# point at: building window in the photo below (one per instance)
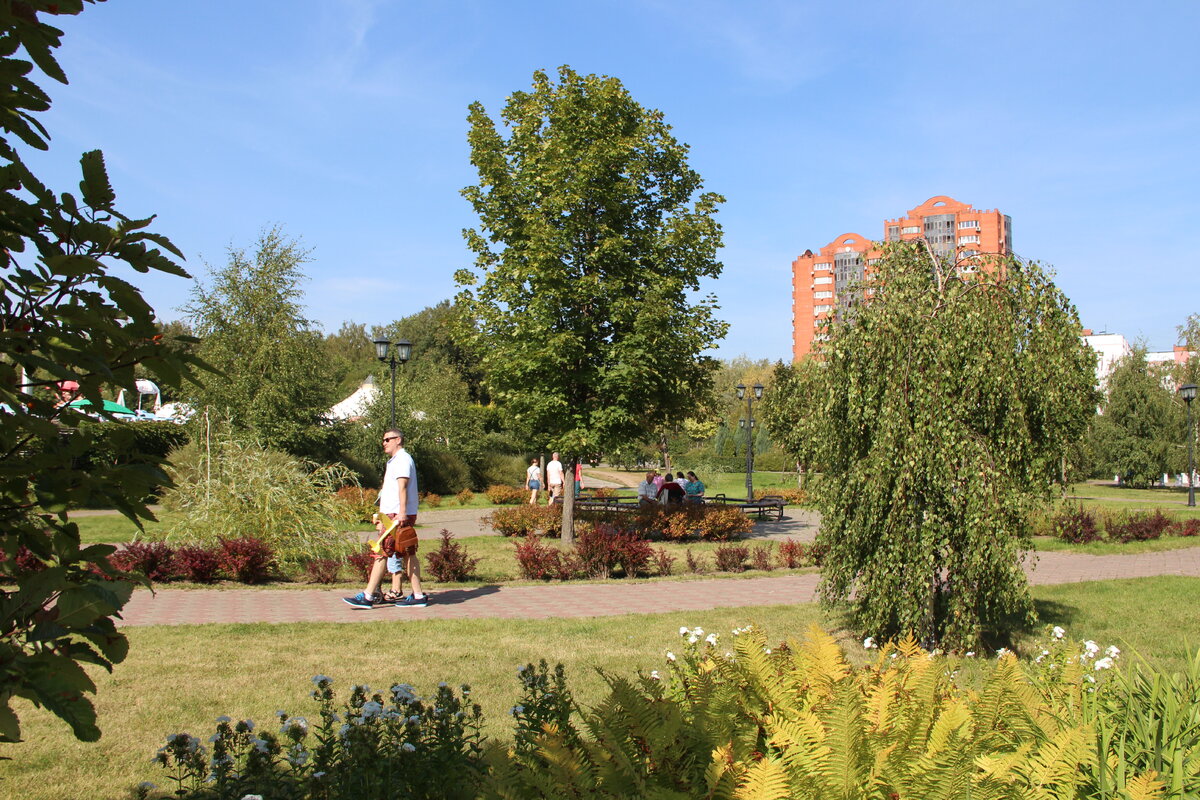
(911, 229)
(969, 253)
(873, 261)
(822, 295)
(822, 309)
(819, 267)
(893, 233)
(822, 279)
(969, 223)
(968, 240)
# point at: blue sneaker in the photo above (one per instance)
(359, 600)
(412, 601)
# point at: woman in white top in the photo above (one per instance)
(533, 481)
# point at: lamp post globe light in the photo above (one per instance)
(401, 354)
(748, 425)
(1188, 393)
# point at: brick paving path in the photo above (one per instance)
(179, 606)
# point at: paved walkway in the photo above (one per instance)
(179, 607)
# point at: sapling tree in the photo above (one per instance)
(594, 236)
(938, 413)
(64, 316)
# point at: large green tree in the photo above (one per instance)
(65, 315)
(276, 382)
(594, 236)
(1139, 434)
(938, 413)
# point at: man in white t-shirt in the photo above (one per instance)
(554, 478)
(398, 500)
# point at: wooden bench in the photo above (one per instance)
(762, 508)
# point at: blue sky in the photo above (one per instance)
(344, 122)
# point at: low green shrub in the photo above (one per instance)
(230, 487)
(525, 519)
(502, 494)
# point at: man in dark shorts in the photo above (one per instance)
(397, 501)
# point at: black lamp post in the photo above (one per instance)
(748, 424)
(401, 354)
(1188, 393)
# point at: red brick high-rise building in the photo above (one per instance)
(949, 226)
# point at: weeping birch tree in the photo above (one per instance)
(593, 238)
(938, 412)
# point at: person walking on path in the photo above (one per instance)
(397, 502)
(554, 479)
(533, 481)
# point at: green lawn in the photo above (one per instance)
(1102, 490)
(181, 678)
(1050, 544)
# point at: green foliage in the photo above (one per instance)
(592, 237)
(390, 744)
(1140, 433)
(795, 720)
(938, 414)
(435, 335)
(275, 382)
(64, 315)
(227, 485)
(130, 442)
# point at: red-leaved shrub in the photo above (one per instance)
(197, 564)
(792, 554)
(363, 502)
(602, 547)
(538, 561)
(695, 564)
(361, 563)
(1184, 527)
(731, 557)
(1076, 525)
(152, 559)
(762, 556)
(1137, 527)
(451, 562)
(247, 559)
(322, 570)
(663, 561)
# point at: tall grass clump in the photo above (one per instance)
(230, 487)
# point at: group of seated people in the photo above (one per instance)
(666, 489)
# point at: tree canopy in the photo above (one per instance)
(276, 381)
(594, 234)
(937, 412)
(1139, 434)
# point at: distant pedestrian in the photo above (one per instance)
(533, 481)
(554, 479)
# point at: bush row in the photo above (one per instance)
(602, 551)
(250, 560)
(1080, 525)
(704, 523)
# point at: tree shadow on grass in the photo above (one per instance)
(1017, 634)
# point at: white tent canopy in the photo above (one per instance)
(355, 406)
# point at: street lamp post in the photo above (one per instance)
(748, 424)
(1188, 393)
(401, 354)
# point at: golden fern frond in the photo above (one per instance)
(1056, 763)
(722, 773)
(845, 768)
(821, 659)
(909, 648)
(765, 780)
(1146, 786)
(881, 700)
(1001, 766)
(799, 742)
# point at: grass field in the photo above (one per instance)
(181, 678)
